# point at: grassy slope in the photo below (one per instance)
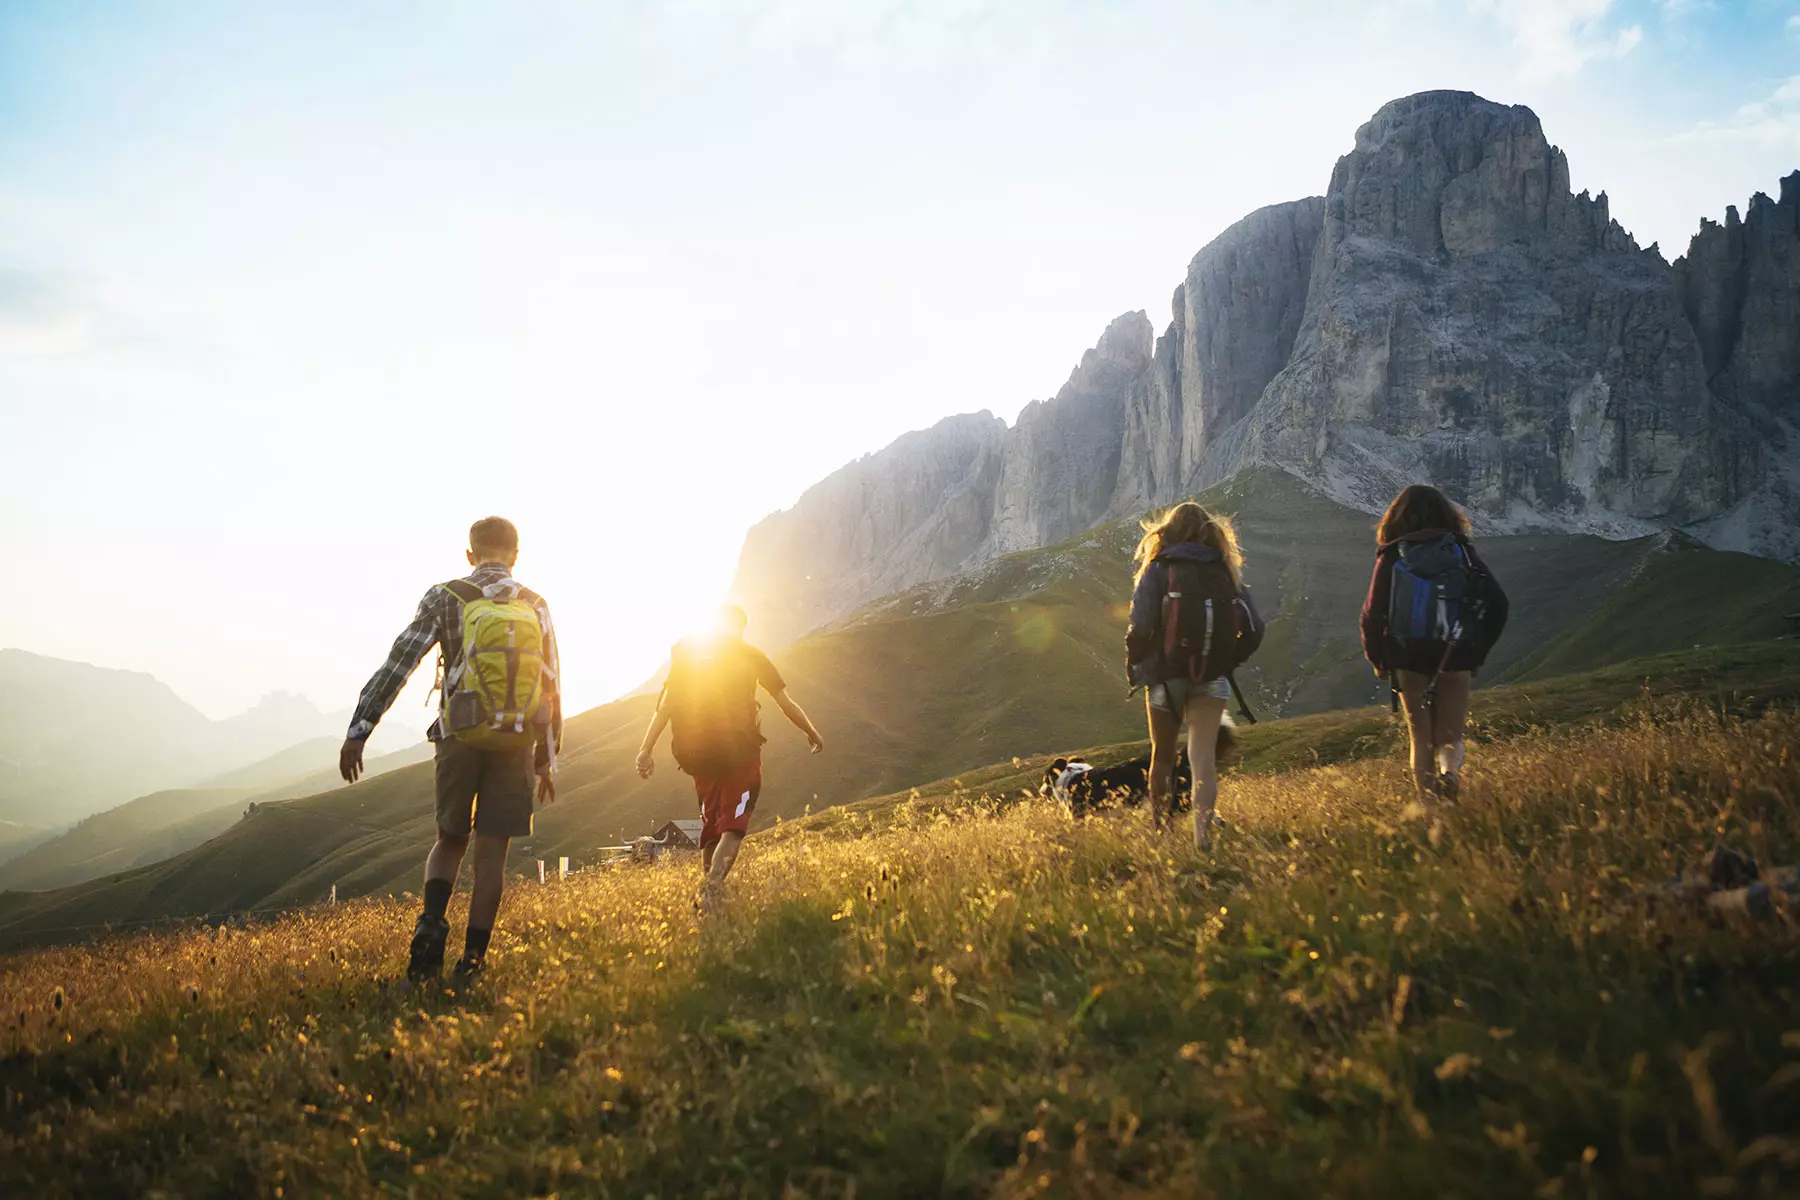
(1742, 680)
(120, 837)
(1348, 997)
(1021, 657)
(1683, 595)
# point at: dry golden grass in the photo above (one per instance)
(1349, 996)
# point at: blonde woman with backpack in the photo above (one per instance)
(1433, 612)
(1192, 624)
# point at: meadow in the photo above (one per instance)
(1351, 995)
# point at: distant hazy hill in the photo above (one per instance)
(161, 825)
(1021, 657)
(76, 739)
(311, 766)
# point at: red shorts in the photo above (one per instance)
(727, 801)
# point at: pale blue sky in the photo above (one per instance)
(272, 276)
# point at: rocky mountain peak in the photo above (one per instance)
(1127, 341)
(1448, 311)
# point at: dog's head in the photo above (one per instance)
(1060, 774)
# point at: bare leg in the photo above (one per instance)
(1449, 714)
(490, 880)
(446, 857)
(721, 858)
(1419, 727)
(1165, 732)
(1203, 717)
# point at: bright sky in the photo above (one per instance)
(290, 293)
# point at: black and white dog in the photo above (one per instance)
(1082, 788)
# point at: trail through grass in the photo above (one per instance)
(1350, 996)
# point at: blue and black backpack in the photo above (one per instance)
(1434, 599)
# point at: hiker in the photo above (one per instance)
(499, 723)
(1192, 624)
(710, 699)
(1433, 612)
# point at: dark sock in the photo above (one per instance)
(475, 944)
(437, 897)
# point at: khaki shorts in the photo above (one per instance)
(487, 790)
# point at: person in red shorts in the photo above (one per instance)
(710, 700)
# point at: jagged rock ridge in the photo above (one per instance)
(1447, 311)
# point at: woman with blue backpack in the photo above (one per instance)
(1192, 624)
(1433, 612)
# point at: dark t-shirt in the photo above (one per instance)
(712, 699)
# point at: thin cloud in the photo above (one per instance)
(1772, 122)
(1559, 37)
(44, 313)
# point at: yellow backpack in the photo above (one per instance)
(493, 694)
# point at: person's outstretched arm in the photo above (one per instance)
(378, 694)
(659, 721)
(792, 710)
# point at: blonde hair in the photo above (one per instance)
(1188, 522)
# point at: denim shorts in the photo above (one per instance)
(1173, 696)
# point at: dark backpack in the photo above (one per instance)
(1433, 599)
(712, 714)
(1208, 628)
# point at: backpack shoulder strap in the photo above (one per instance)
(1238, 694)
(530, 597)
(463, 590)
(1171, 610)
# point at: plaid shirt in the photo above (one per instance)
(438, 622)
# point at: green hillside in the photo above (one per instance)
(373, 837)
(146, 830)
(1022, 657)
(1349, 996)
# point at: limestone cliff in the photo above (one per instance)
(1447, 311)
(1740, 288)
(1235, 319)
(920, 509)
(1472, 323)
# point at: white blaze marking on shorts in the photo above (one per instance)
(743, 803)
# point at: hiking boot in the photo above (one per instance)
(1449, 786)
(426, 957)
(469, 967)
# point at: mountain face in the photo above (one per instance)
(1447, 312)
